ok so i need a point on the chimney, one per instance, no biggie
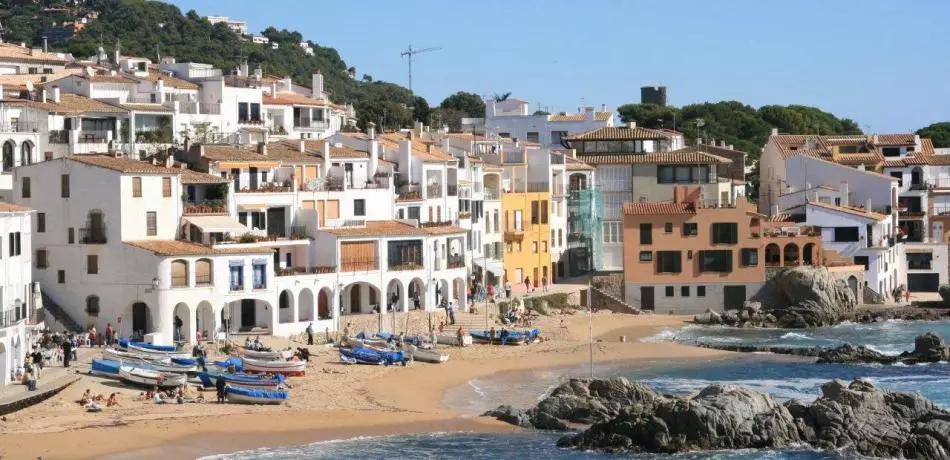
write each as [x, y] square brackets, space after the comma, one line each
[417, 128]
[371, 131]
[730, 147]
[302, 146]
[316, 84]
[874, 139]
[45, 45]
[603, 107]
[631, 124]
[34, 51]
[843, 190]
[326, 156]
[43, 96]
[676, 194]
[775, 131]
[273, 89]
[867, 205]
[201, 150]
[262, 148]
[589, 113]
[56, 94]
[169, 161]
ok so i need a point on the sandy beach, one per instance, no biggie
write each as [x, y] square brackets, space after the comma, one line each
[333, 401]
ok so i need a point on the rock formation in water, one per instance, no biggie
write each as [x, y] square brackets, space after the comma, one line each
[807, 296]
[627, 416]
[928, 348]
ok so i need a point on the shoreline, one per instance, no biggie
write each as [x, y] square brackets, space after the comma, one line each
[396, 401]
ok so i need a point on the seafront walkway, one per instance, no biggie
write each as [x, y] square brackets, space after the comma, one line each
[52, 380]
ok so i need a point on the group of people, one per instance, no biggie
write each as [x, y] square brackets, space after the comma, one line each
[178, 395]
[93, 403]
[93, 338]
[255, 345]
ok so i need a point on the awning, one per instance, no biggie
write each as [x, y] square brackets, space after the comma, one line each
[253, 207]
[247, 164]
[223, 224]
[494, 266]
[919, 250]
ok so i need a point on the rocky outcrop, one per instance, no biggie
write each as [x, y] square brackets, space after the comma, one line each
[807, 296]
[626, 416]
[928, 348]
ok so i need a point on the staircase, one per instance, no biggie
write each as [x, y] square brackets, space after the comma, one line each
[469, 321]
[53, 309]
[601, 300]
[871, 297]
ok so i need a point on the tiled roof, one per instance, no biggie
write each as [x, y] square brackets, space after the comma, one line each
[37, 79]
[618, 133]
[573, 164]
[10, 207]
[603, 116]
[146, 107]
[859, 158]
[715, 150]
[289, 152]
[677, 157]
[926, 146]
[822, 187]
[895, 139]
[15, 53]
[109, 79]
[849, 210]
[190, 176]
[384, 228]
[598, 116]
[420, 149]
[341, 151]
[123, 164]
[233, 153]
[71, 104]
[657, 208]
[290, 98]
[171, 248]
[172, 82]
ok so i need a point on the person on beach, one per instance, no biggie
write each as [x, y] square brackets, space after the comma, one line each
[491, 335]
[178, 325]
[67, 352]
[247, 343]
[504, 336]
[527, 284]
[507, 289]
[441, 326]
[310, 333]
[109, 333]
[346, 332]
[460, 335]
[219, 386]
[113, 400]
[491, 293]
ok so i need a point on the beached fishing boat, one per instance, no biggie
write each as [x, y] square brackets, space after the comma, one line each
[265, 382]
[514, 337]
[151, 378]
[105, 367]
[279, 355]
[158, 363]
[289, 368]
[453, 340]
[367, 355]
[147, 346]
[429, 356]
[252, 396]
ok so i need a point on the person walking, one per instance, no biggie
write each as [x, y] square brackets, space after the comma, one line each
[310, 333]
[109, 333]
[178, 324]
[544, 284]
[507, 289]
[490, 291]
[460, 334]
[219, 386]
[67, 352]
[527, 284]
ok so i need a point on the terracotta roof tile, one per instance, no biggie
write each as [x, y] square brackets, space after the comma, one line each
[573, 164]
[566, 117]
[10, 207]
[170, 248]
[420, 149]
[384, 228]
[16, 53]
[190, 176]
[123, 164]
[71, 104]
[169, 81]
[619, 133]
[290, 98]
[341, 151]
[859, 158]
[895, 139]
[676, 157]
[926, 146]
[849, 210]
[231, 153]
[658, 208]
[146, 107]
[603, 116]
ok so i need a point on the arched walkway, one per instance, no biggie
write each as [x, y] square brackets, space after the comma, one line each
[250, 315]
[359, 298]
[6, 161]
[305, 305]
[204, 321]
[416, 294]
[773, 255]
[808, 254]
[323, 304]
[395, 296]
[441, 293]
[186, 332]
[285, 303]
[791, 254]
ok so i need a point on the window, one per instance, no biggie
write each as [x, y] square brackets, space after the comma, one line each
[92, 264]
[686, 174]
[725, 233]
[534, 212]
[136, 187]
[179, 273]
[13, 240]
[260, 275]
[42, 258]
[237, 275]
[900, 177]
[715, 261]
[846, 234]
[669, 261]
[533, 137]
[167, 187]
[891, 151]
[613, 232]
[700, 291]
[92, 306]
[544, 246]
[544, 211]
[359, 207]
[750, 257]
[61, 276]
[414, 212]
[41, 222]
[556, 137]
[646, 233]
[534, 247]
[151, 223]
[862, 260]
[25, 188]
[684, 291]
[519, 221]
[646, 256]
[33, 70]
[690, 229]
[668, 227]
[203, 272]
[71, 235]
[64, 186]
[669, 291]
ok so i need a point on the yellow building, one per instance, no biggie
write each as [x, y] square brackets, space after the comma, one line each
[526, 233]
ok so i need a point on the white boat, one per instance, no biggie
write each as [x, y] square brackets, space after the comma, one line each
[255, 396]
[163, 364]
[453, 340]
[289, 368]
[151, 378]
[156, 353]
[429, 356]
[268, 355]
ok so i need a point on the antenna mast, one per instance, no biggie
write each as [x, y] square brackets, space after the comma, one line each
[412, 52]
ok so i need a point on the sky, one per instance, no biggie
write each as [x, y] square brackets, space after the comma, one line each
[881, 63]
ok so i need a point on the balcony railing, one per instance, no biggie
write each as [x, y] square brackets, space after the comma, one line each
[453, 190]
[298, 232]
[919, 265]
[94, 137]
[434, 191]
[410, 196]
[294, 271]
[359, 264]
[89, 235]
[455, 262]
[209, 207]
[492, 194]
[12, 316]
[179, 281]
[249, 121]
[300, 124]
[236, 287]
[20, 126]
[538, 187]
[269, 188]
[403, 265]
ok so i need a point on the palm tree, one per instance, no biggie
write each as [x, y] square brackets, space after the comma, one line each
[502, 96]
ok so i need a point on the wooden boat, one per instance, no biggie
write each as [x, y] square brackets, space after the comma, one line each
[453, 340]
[150, 378]
[252, 396]
[163, 364]
[367, 355]
[288, 368]
[261, 382]
[147, 346]
[429, 356]
[514, 337]
[279, 355]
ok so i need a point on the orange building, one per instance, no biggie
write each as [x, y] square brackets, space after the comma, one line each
[684, 258]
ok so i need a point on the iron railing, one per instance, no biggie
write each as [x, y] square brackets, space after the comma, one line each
[92, 235]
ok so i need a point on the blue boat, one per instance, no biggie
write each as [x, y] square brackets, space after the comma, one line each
[125, 343]
[234, 361]
[241, 380]
[105, 367]
[371, 356]
[413, 339]
[252, 396]
[514, 337]
[185, 361]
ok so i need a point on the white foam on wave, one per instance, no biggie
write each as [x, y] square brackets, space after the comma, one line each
[794, 388]
[884, 350]
[666, 335]
[796, 336]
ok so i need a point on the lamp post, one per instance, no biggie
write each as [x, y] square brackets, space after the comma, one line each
[226, 317]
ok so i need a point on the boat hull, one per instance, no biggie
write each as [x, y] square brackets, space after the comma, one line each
[288, 368]
[150, 378]
[248, 396]
[429, 356]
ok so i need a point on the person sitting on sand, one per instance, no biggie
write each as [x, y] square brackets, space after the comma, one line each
[158, 398]
[247, 343]
[86, 397]
[113, 400]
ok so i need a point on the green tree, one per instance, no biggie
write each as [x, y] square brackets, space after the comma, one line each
[471, 105]
[541, 112]
[939, 133]
[420, 110]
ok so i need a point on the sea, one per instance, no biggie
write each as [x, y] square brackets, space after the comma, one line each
[785, 377]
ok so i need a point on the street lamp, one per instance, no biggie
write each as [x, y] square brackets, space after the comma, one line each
[435, 292]
[226, 316]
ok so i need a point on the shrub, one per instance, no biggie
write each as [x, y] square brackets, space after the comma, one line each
[944, 291]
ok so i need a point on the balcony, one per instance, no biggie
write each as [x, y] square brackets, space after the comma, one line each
[205, 208]
[492, 194]
[296, 271]
[359, 264]
[58, 136]
[273, 187]
[455, 262]
[250, 121]
[94, 137]
[410, 196]
[434, 191]
[514, 235]
[303, 124]
[557, 190]
[20, 126]
[465, 215]
[92, 235]
[12, 316]
[298, 232]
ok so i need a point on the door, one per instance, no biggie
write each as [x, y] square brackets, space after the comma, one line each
[355, 301]
[248, 314]
[733, 297]
[646, 298]
[275, 222]
[253, 178]
[140, 317]
[923, 282]
[348, 174]
[236, 176]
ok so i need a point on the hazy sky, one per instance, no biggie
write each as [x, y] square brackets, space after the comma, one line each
[881, 63]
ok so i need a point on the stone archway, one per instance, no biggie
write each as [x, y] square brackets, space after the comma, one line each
[250, 315]
[853, 284]
[187, 331]
[285, 303]
[458, 291]
[26, 153]
[395, 296]
[8, 157]
[790, 254]
[415, 294]
[305, 305]
[323, 304]
[204, 321]
[360, 297]
[808, 254]
[141, 319]
[773, 255]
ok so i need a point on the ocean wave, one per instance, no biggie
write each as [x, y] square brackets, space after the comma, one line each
[884, 349]
[796, 336]
[666, 335]
[794, 388]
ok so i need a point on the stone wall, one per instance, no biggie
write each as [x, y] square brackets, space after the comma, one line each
[611, 284]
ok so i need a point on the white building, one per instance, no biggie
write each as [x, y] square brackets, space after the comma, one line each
[20, 60]
[19, 296]
[240, 27]
[513, 119]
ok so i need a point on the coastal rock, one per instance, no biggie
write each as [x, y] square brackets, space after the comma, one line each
[709, 317]
[928, 348]
[807, 296]
[849, 417]
[850, 354]
[510, 415]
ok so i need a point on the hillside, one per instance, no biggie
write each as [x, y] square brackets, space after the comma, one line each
[143, 28]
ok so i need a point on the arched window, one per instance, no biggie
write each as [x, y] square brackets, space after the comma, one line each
[92, 306]
[26, 154]
[203, 272]
[8, 155]
[179, 273]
